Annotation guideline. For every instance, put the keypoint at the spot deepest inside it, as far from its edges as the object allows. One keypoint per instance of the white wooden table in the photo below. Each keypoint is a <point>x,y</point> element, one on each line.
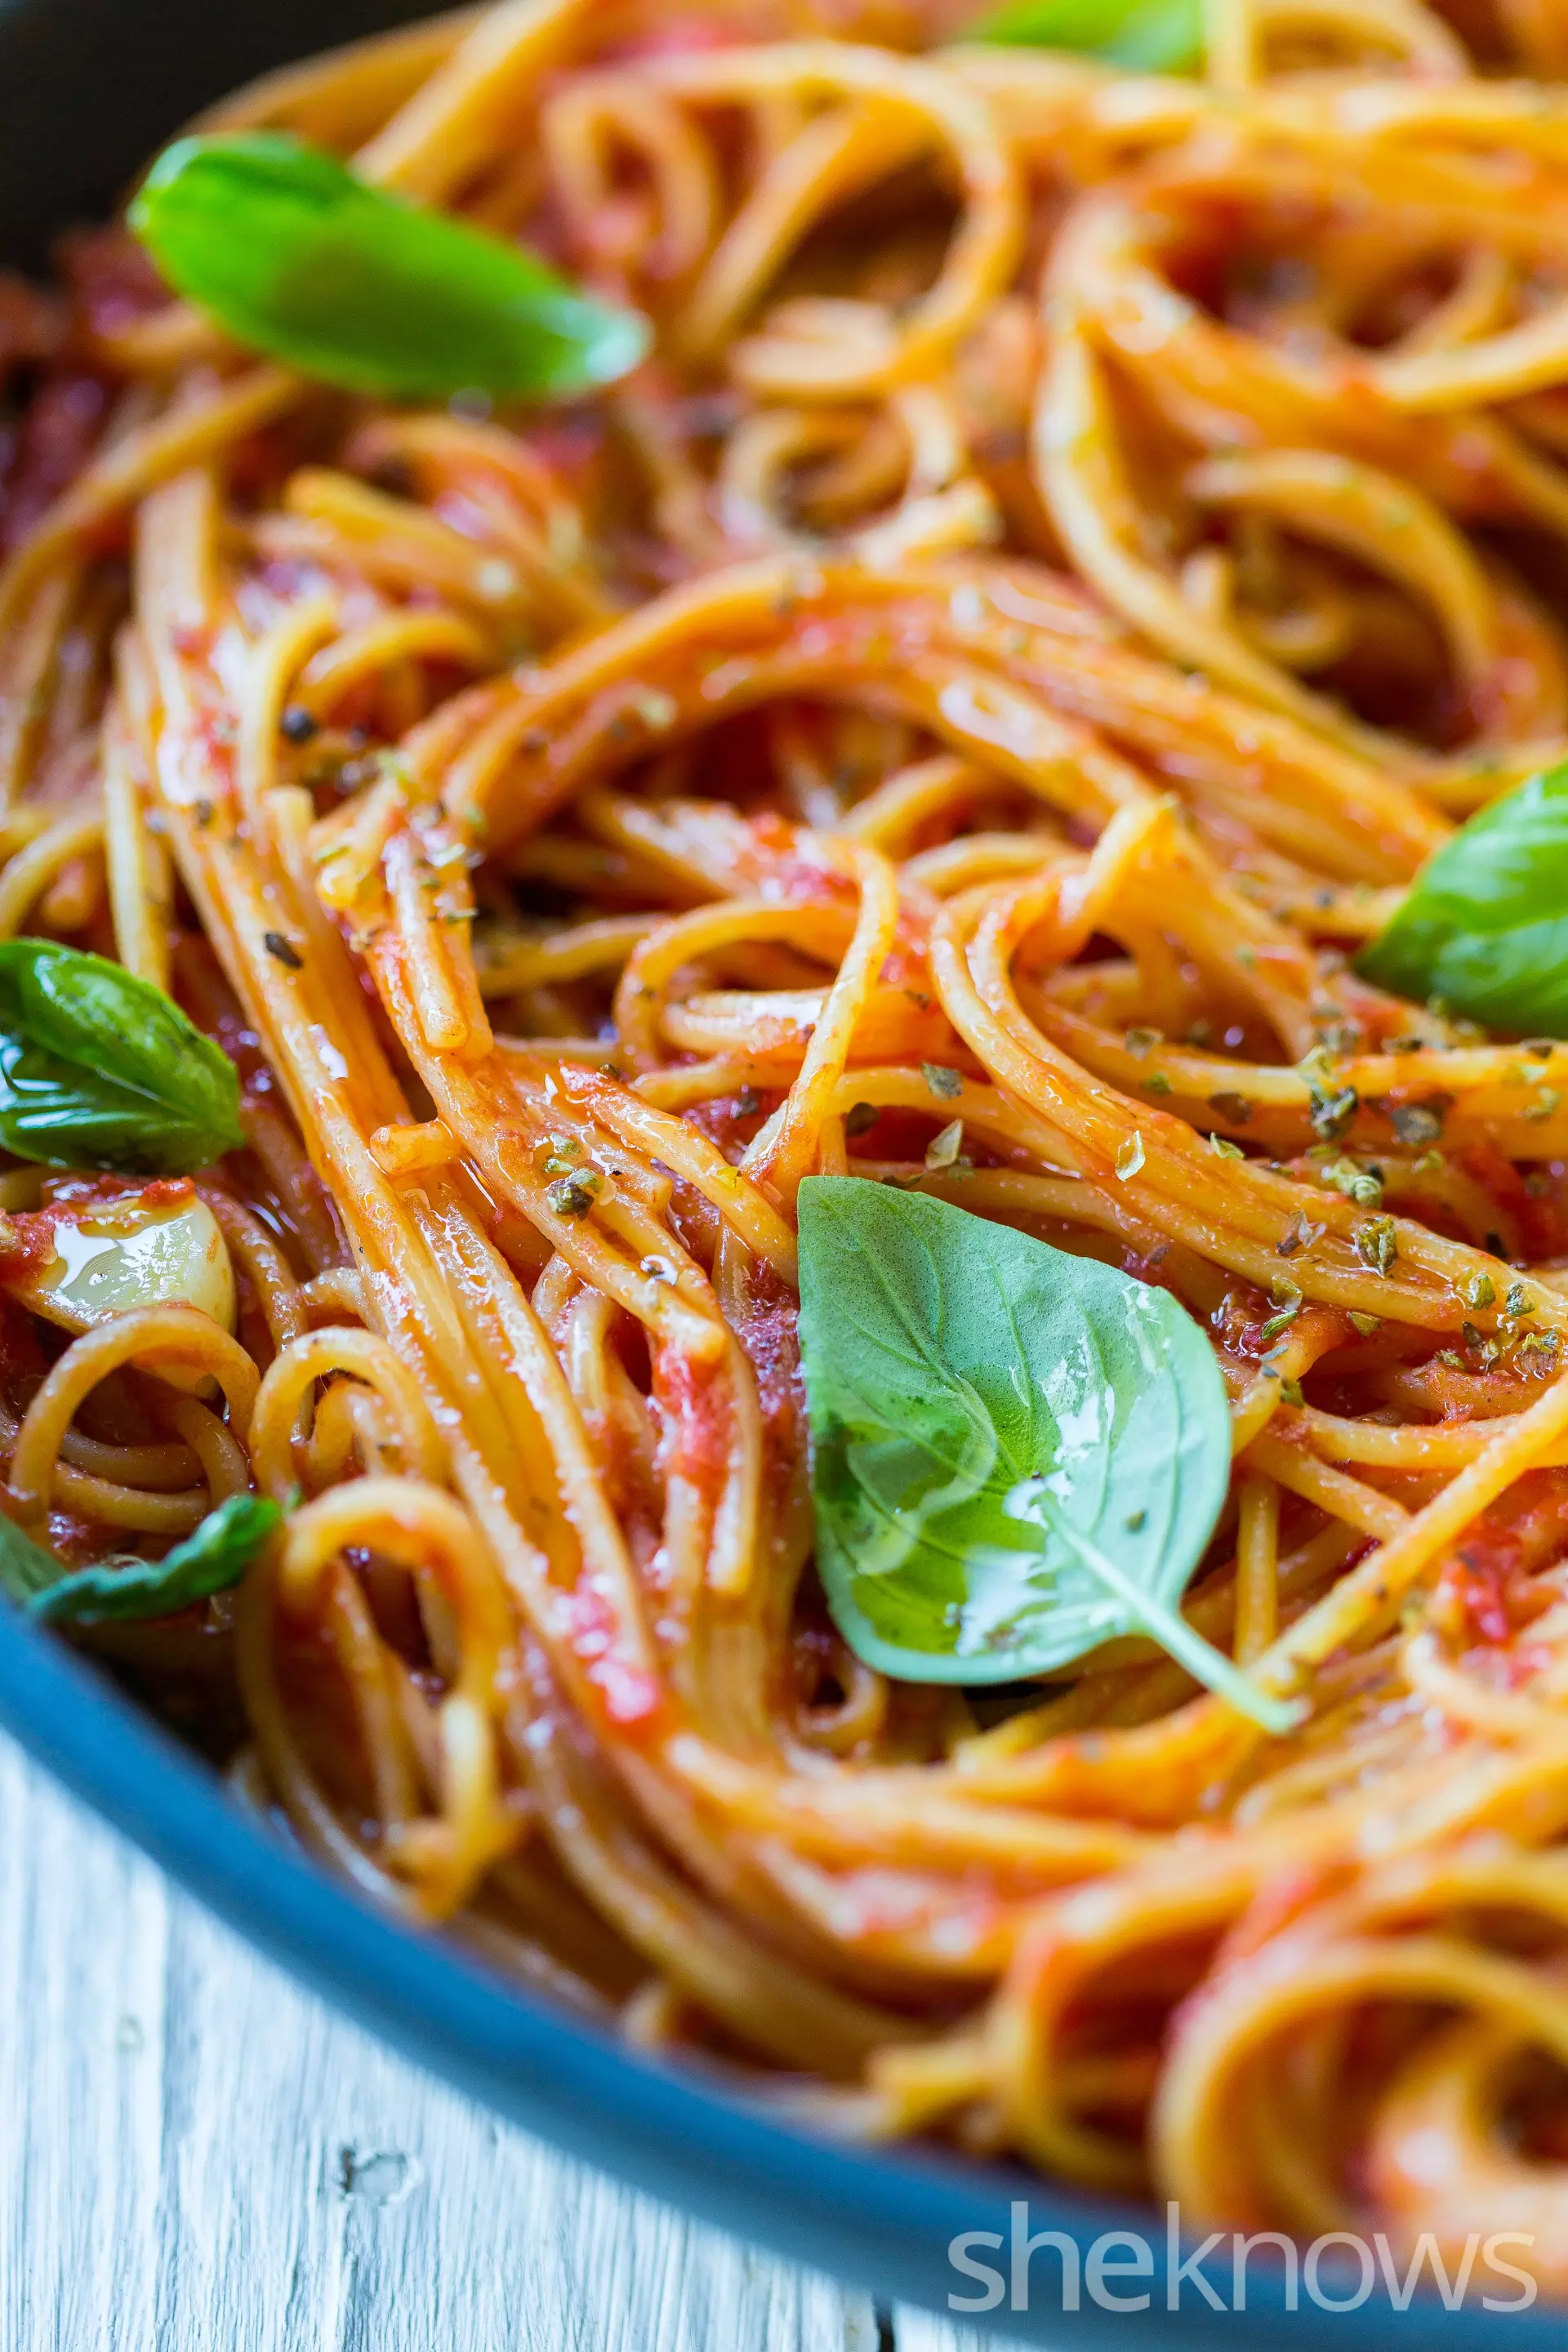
<point>197,2157</point>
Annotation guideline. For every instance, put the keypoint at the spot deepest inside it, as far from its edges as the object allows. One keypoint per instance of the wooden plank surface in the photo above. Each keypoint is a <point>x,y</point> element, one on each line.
<point>197,2157</point>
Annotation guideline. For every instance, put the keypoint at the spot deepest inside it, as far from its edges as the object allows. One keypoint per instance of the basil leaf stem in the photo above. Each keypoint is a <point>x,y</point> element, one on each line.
<point>951,1365</point>
<point>100,1069</point>
<point>1143,35</point>
<point>296,255</point>
<point>1484,926</point>
<point>1167,1626</point>
<point>125,1587</point>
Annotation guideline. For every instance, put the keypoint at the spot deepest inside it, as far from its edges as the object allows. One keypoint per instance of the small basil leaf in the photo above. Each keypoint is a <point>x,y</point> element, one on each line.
<point>27,1569</point>
<point>1017,1453</point>
<point>100,1069</point>
<point>1486,925</point>
<point>114,1591</point>
<point>1144,35</point>
<point>299,257</point>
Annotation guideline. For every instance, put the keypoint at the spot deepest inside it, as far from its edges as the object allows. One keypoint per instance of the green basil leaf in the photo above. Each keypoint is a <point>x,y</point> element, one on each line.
<point>116,1590</point>
<point>1016,1453</point>
<point>1144,35</point>
<point>1486,925</point>
<point>27,1569</point>
<point>100,1069</point>
<point>296,255</point>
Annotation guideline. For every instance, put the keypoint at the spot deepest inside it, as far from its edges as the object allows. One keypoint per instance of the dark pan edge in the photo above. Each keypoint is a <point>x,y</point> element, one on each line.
<point>89,89</point>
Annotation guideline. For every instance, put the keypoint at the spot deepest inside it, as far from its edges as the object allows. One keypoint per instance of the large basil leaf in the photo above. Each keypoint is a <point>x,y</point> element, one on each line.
<point>1144,35</point>
<point>115,1590</point>
<point>1486,925</point>
<point>99,1069</point>
<point>297,257</point>
<point>1017,1453</point>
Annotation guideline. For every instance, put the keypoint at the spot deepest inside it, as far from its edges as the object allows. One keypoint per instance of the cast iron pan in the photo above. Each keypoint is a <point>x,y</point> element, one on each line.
<point>87,90</point>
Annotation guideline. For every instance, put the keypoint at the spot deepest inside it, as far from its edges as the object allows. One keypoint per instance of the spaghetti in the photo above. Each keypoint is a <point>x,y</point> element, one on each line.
<point>1081,543</point>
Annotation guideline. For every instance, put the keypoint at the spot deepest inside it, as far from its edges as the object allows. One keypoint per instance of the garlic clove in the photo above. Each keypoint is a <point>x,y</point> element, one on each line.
<point>77,1263</point>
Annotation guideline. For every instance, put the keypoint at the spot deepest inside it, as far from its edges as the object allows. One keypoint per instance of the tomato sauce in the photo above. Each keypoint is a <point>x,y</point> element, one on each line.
<point>629,1691</point>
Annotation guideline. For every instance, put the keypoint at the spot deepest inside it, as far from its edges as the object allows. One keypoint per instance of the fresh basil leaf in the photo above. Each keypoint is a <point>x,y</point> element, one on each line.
<point>27,1569</point>
<point>100,1069</point>
<point>296,255</point>
<point>1484,926</point>
<point>1017,1453</point>
<point>1144,35</point>
<point>115,1590</point>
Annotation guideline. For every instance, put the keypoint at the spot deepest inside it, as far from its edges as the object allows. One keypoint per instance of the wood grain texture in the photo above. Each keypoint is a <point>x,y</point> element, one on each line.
<point>196,2156</point>
<point>921,2331</point>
